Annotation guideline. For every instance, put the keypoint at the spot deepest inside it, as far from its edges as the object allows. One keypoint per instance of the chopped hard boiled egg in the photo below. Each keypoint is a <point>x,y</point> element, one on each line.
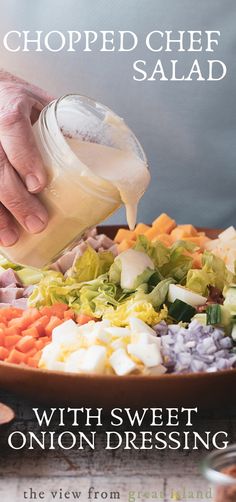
<point>74,360</point>
<point>100,348</point>
<point>121,363</point>
<point>135,267</point>
<point>94,359</point>
<point>228,234</point>
<point>148,354</point>
<point>178,292</point>
<point>65,333</point>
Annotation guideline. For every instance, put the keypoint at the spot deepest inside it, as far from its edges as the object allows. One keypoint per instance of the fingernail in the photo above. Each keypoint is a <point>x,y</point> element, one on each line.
<point>35,224</point>
<point>8,237</point>
<point>32,182</point>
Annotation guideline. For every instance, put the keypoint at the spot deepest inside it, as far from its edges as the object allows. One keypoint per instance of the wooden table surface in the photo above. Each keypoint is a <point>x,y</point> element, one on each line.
<point>136,475</point>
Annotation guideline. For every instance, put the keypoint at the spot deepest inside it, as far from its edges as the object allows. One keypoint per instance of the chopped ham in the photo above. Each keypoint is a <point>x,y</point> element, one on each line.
<point>65,261</point>
<point>90,233</point>
<point>80,248</point>
<point>99,242</point>
<point>104,241</point>
<point>93,243</point>
<point>12,292</point>
<point>55,266</point>
<point>8,294</point>
<point>9,278</point>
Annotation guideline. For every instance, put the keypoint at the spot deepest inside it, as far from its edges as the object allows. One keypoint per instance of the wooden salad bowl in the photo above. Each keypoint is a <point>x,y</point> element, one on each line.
<point>205,390</point>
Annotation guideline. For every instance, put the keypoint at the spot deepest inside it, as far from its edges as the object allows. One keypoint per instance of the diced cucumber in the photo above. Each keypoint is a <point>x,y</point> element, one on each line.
<point>219,315</point>
<point>181,311</point>
<point>213,314</point>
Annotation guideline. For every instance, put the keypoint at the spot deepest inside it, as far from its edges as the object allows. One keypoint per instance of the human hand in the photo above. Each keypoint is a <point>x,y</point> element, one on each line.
<point>22,173</point>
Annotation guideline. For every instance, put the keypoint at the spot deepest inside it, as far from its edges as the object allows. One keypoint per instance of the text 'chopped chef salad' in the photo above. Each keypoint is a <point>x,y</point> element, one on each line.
<point>159,299</point>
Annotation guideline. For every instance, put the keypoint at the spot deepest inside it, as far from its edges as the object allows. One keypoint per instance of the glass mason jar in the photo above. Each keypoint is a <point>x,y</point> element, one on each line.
<point>76,199</point>
<point>220,469</point>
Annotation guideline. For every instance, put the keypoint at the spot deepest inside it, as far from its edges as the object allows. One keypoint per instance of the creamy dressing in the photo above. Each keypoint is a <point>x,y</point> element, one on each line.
<point>133,264</point>
<point>87,183</point>
<point>122,168</point>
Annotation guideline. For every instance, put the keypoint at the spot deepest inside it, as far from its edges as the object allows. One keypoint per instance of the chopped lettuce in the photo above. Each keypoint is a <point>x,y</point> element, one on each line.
<point>142,305</point>
<point>215,263</point>
<point>184,245</point>
<point>214,272</point>
<point>30,276</point>
<point>5,263</point>
<point>158,253</point>
<point>95,297</point>
<point>170,262</point>
<point>98,285</point>
<point>158,295</point>
<point>178,265</point>
<point>91,297</point>
<point>91,265</point>
<point>46,292</point>
<point>99,296</point>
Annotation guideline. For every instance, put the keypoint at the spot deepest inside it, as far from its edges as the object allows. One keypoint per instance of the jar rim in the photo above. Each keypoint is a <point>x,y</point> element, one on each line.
<point>98,105</point>
<point>217,460</point>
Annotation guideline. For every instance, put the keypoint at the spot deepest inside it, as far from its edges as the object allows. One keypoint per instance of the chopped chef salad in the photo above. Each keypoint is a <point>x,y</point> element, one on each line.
<point>159,299</point>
